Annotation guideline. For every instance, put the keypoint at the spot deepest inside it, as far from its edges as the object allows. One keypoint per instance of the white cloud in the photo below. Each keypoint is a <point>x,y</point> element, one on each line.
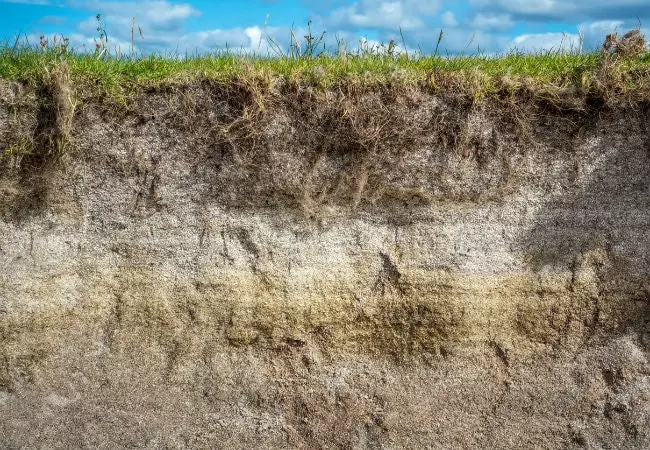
<point>460,40</point>
<point>239,40</point>
<point>162,22</point>
<point>545,42</point>
<point>164,27</point>
<point>164,16</point>
<point>255,34</point>
<point>488,21</point>
<point>245,40</point>
<point>594,33</point>
<point>448,19</point>
<point>211,40</point>
<point>424,7</point>
<point>393,14</point>
<point>567,9</point>
<point>380,15</point>
<point>154,14</point>
<point>521,6</point>
<point>28,2</point>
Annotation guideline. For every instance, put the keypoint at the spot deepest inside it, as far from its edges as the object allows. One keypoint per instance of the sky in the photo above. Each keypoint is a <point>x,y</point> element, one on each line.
<point>202,26</point>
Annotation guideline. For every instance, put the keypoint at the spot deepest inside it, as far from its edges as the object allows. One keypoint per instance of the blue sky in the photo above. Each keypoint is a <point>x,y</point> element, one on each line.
<point>189,26</point>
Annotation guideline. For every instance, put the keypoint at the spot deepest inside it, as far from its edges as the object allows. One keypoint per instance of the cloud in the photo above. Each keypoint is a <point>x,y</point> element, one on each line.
<point>518,6</point>
<point>566,10</point>
<point>163,16</point>
<point>381,15</point>
<point>545,42</point>
<point>155,14</point>
<point>501,22</point>
<point>28,2</point>
<point>247,40</point>
<point>376,14</point>
<point>449,19</point>
<point>164,24</point>
<point>236,39</point>
<point>459,40</point>
<point>594,33</point>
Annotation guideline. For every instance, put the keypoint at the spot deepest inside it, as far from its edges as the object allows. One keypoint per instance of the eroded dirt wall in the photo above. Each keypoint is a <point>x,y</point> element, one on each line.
<point>369,269</point>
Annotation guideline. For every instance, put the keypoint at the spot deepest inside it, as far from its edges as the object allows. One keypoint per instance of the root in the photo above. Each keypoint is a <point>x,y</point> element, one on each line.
<point>60,87</point>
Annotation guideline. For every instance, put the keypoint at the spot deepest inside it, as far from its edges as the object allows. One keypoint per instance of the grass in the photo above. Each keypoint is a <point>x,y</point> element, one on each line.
<point>30,64</point>
<point>311,60</point>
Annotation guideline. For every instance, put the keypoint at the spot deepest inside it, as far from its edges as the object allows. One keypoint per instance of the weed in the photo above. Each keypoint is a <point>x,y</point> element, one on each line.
<point>101,42</point>
<point>140,32</point>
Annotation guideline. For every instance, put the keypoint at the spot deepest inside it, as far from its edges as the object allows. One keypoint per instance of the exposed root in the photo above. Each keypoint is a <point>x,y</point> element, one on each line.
<point>60,87</point>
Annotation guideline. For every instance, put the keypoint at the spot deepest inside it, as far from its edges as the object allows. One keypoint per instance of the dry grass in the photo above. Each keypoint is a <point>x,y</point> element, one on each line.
<point>631,45</point>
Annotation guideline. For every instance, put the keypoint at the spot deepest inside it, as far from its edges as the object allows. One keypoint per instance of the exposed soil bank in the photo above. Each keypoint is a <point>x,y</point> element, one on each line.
<point>371,267</point>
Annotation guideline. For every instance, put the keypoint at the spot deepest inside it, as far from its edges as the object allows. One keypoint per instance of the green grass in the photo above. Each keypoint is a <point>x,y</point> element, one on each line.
<point>29,64</point>
<point>311,61</point>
